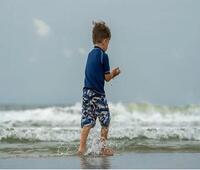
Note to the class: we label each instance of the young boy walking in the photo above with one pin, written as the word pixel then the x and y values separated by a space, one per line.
pixel 94 103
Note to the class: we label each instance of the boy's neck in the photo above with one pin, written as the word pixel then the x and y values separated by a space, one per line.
pixel 99 45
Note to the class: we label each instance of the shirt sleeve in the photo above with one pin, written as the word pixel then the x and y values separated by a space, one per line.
pixel 106 65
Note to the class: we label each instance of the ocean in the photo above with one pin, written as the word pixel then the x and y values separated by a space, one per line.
pixel 49 131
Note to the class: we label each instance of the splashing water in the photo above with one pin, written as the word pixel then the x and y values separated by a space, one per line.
pixel 95 146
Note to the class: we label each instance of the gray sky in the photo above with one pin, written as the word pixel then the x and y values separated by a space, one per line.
pixel 44 46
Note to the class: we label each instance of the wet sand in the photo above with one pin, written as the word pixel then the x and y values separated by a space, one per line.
pixel 124 160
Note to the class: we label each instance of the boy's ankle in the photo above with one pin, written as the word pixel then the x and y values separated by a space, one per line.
pixel 81 151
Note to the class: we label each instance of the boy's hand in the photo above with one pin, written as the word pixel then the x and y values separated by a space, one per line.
pixel 116 72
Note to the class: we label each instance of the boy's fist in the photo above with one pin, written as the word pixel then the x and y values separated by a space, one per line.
pixel 116 71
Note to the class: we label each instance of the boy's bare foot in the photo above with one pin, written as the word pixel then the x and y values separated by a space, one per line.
pixel 81 151
pixel 107 152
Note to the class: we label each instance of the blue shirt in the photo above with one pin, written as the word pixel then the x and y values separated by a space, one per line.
pixel 96 67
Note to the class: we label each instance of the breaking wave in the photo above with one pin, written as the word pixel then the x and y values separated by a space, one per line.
pixel 130 121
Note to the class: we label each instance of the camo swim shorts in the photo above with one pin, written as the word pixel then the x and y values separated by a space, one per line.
pixel 94 105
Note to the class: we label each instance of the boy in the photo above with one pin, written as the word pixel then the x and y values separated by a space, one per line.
pixel 94 103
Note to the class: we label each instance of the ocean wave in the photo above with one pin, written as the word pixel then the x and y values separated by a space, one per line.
pixel 132 121
pixel 50 116
pixel 140 114
pixel 30 135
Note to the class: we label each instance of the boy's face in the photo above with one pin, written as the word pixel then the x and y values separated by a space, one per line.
pixel 105 44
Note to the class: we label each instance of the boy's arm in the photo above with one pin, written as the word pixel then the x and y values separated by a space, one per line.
pixel 115 72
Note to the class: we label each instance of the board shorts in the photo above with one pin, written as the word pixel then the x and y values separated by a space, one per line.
pixel 94 105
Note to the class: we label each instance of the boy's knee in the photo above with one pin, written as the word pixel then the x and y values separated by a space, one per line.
pixel 86 128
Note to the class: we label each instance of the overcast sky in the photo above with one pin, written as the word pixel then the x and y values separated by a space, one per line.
pixel 44 46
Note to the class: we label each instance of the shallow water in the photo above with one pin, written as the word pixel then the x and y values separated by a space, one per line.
pixel 122 161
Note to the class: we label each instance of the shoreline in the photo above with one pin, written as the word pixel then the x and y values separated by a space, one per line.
pixel 124 160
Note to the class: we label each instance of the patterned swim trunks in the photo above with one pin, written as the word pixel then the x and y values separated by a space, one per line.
pixel 94 105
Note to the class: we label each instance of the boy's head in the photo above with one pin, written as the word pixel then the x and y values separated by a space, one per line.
pixel 101 34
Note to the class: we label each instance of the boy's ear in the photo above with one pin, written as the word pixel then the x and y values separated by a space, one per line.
pixel 103 41
pixel 106 40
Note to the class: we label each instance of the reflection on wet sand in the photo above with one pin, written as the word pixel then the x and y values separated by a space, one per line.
pixel 91 162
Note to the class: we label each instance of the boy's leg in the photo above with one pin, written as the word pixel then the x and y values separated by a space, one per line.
pixel 104 133
pixel 105 121
pixel 104 136
pixel 104 118
pixel 83 138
